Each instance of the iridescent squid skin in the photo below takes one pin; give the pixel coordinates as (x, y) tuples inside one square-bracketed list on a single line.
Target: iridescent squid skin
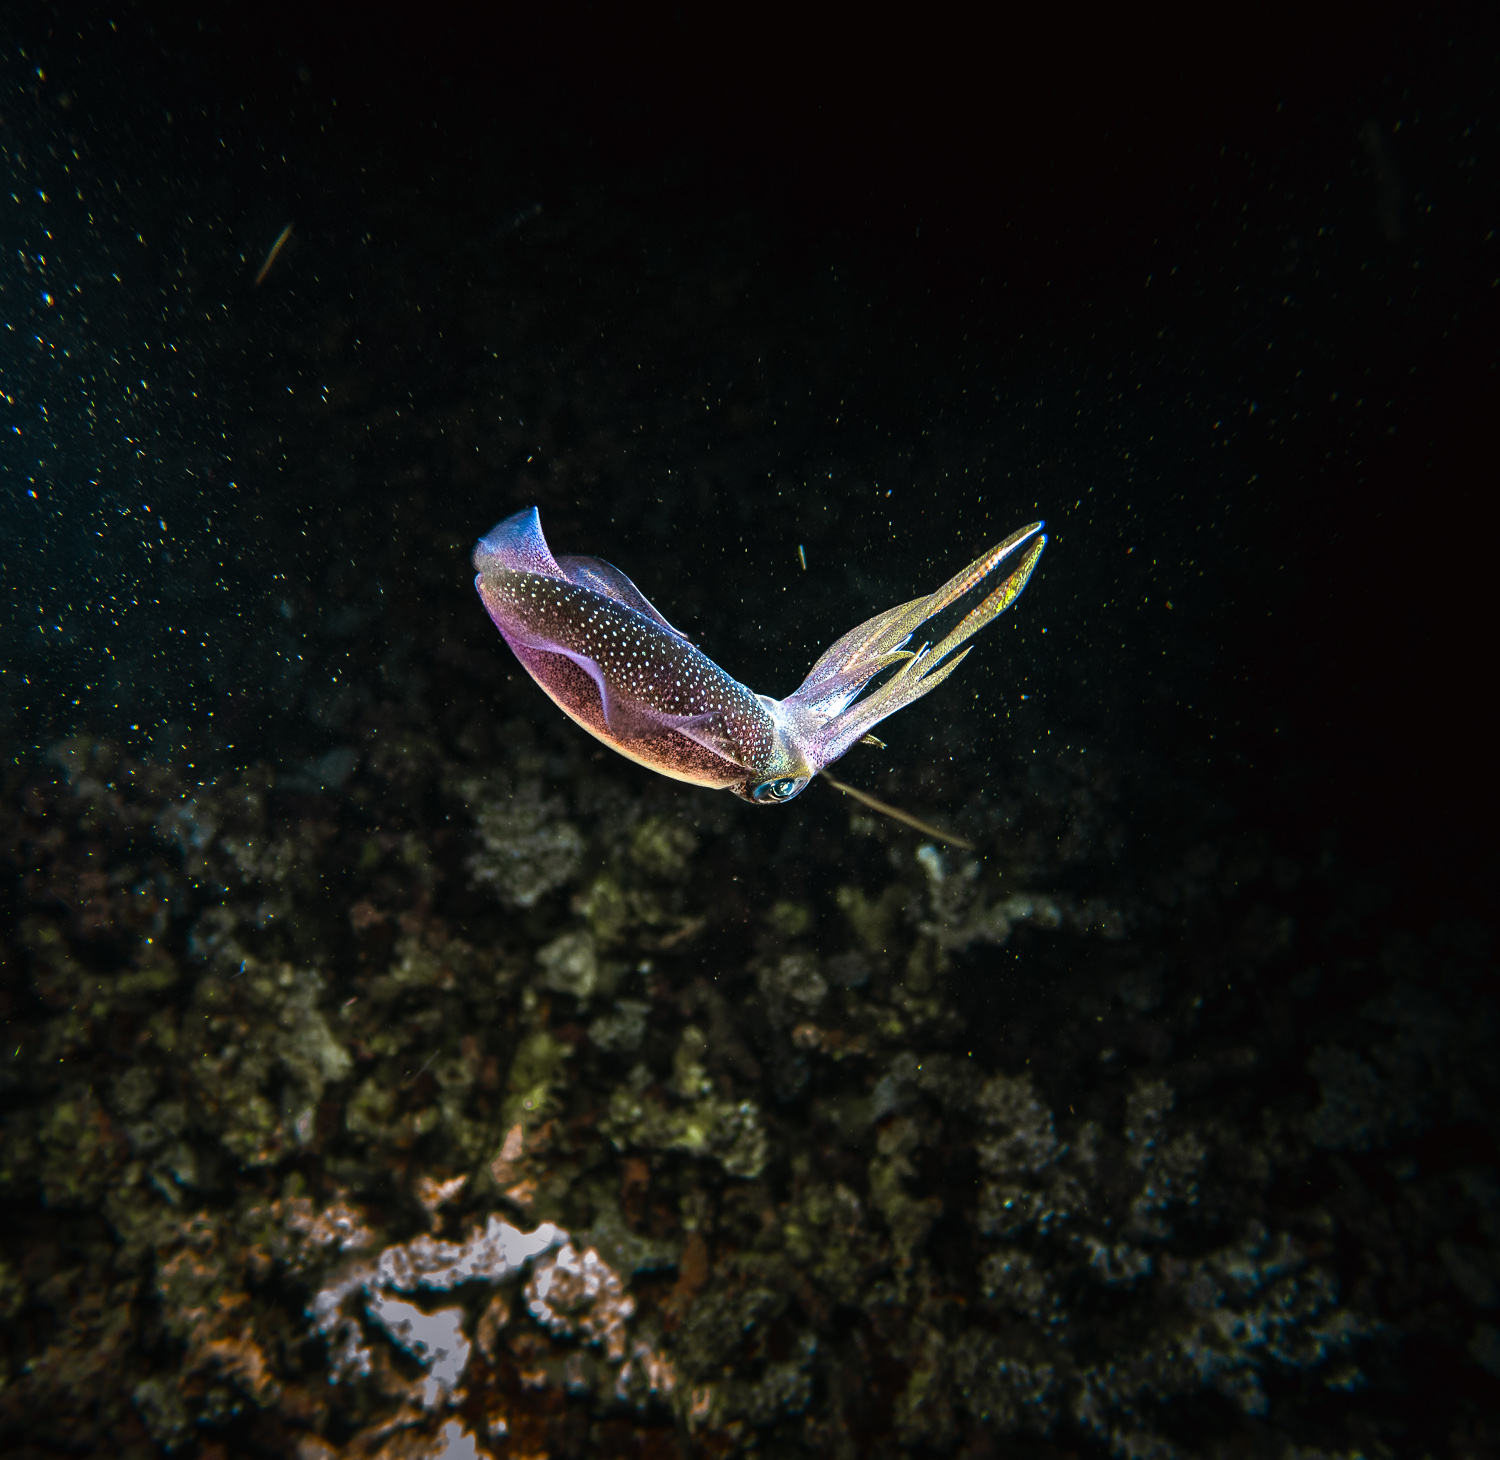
[(612, 663)]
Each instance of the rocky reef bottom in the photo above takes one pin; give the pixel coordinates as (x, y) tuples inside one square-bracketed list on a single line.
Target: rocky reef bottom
[(513, 1104)]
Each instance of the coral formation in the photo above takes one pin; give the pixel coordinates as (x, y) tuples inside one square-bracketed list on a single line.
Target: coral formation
[(314, 1145)]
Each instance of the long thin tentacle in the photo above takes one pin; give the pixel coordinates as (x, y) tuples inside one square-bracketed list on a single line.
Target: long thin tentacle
[(872, 649), (866, 799), (888, 631)]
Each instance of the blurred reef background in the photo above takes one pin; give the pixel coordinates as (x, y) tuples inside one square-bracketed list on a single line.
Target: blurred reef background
[(391, 1071)]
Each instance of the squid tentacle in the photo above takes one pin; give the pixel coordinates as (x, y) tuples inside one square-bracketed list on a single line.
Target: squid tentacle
[(863, 652)]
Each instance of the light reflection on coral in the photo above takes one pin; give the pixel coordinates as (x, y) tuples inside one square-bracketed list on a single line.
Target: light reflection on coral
[(492, 1254), (573, 1291)]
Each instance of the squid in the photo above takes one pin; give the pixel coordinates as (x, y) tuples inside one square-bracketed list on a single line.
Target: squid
[(610, 662)]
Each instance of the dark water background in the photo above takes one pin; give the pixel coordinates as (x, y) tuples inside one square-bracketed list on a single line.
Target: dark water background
[(1225, 316), (1229, 332)]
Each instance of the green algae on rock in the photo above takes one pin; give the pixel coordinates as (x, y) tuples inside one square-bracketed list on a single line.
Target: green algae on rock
[(764, 1166)]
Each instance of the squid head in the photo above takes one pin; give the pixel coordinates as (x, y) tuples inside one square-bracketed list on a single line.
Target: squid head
[(611, 662)]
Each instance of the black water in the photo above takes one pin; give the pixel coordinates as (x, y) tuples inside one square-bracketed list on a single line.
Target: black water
[(1225, 316), (1232, 336)]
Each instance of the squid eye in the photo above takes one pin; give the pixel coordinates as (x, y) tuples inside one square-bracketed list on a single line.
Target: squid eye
[(780, 790)]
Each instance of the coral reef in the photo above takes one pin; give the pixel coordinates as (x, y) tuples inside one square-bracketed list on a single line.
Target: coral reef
[(332, 1128)]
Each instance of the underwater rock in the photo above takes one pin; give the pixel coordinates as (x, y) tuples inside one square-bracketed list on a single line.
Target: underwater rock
[(730, 1132), (526, 849), (628, 1251), (783, 1389), (622, 1030), (791, 919), (719, 1324), (663, 848), (492, 1254), (578, 1292), (80, 1151), (646, 1377), (536, 1073), (824, 1232), (331, 770), (1000, 1389), (792, 988), (1011, 1277), (1354, 1113), (160, 1405), (874, 921), (958, 1223), (312, 1055), (1023, 1139), (908, 1217), (849, 970), (435, 1340), (570, 965)]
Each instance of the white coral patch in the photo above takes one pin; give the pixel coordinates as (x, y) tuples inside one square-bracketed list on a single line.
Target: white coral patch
[(578, 1291), (491, 1254), (435, 1340)]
